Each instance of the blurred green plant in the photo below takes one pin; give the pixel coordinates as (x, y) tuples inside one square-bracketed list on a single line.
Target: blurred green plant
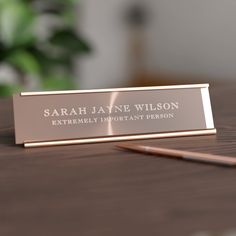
[(38, 43)]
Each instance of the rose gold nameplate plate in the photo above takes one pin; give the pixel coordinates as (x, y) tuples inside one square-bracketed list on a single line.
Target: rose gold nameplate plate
[(86, 116)]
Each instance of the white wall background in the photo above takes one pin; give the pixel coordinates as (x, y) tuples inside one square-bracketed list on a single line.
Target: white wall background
[(184, 36)]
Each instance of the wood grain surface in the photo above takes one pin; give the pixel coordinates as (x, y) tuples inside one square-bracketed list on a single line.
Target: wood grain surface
[(98, 190)]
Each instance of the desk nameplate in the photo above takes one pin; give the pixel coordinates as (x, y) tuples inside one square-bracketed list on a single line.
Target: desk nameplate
[(86, 116)]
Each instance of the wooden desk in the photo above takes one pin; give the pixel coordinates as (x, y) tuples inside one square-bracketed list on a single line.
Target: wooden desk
[(93, 190)]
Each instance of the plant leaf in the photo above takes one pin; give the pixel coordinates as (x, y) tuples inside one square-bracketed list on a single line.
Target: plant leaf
[(25, 62), (16, 22), (9, 89), (69, 40), (55, 82)]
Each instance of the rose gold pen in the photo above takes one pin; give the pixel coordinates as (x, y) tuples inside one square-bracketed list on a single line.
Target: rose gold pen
[(186, 155)]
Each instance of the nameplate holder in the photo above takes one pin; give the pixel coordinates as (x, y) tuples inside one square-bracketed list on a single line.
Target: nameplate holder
[(92, 116)]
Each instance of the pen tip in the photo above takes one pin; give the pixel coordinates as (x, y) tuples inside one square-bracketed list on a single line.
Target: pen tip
[(124, 145)]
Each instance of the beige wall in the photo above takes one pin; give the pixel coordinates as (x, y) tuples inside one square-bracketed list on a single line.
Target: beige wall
[(101, 22), (193, 36), (184, 36)]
